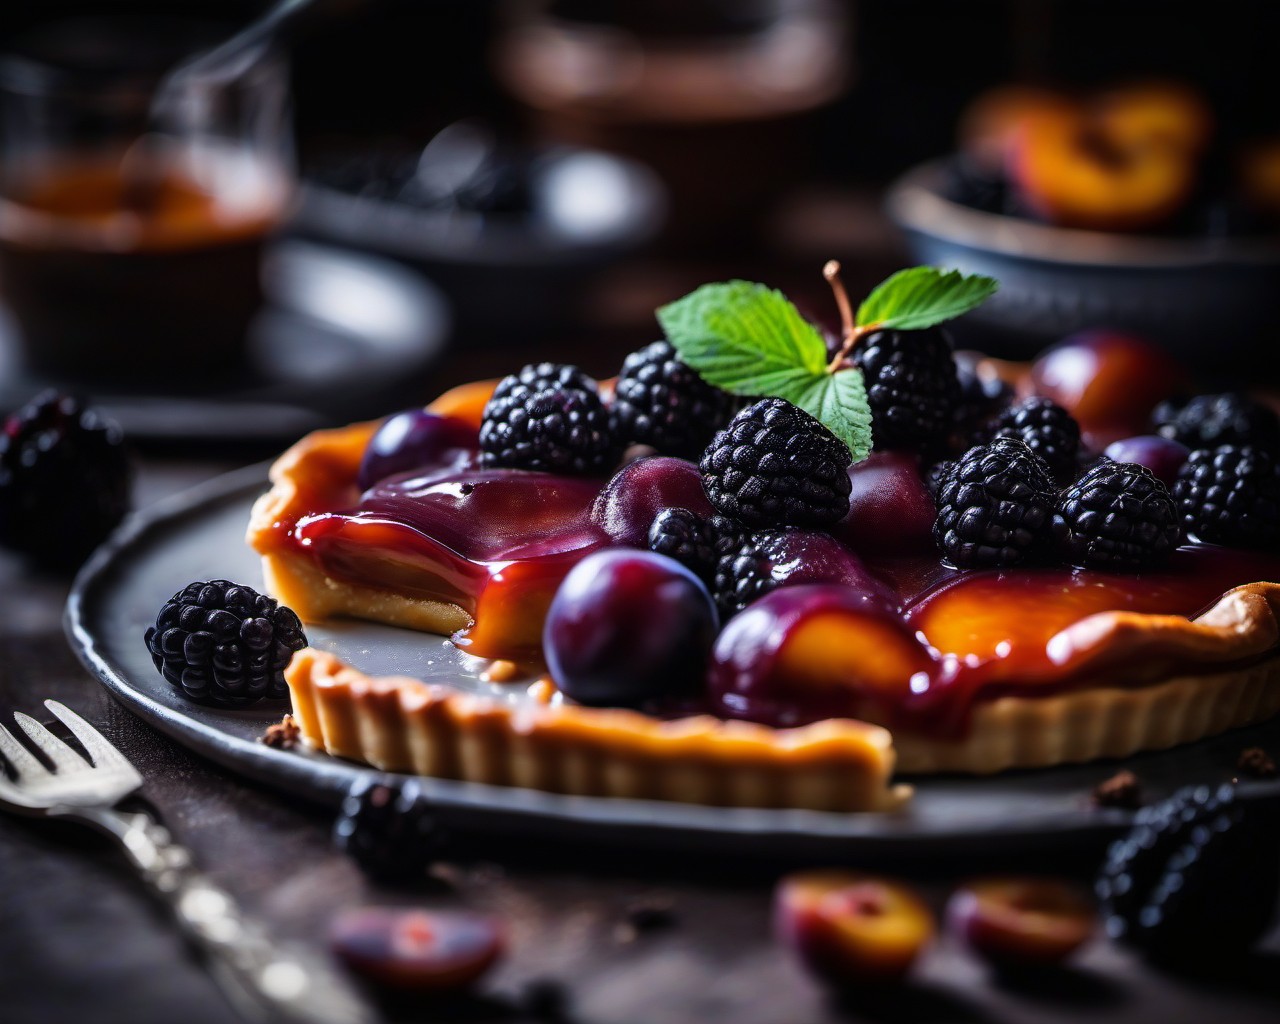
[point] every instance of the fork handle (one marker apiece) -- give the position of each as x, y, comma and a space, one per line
264, 980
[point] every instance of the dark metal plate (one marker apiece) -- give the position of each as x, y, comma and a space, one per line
200, 535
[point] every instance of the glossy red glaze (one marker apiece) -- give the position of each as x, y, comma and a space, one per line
892, 635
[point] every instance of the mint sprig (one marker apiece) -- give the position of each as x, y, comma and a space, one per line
750, 340
921, 297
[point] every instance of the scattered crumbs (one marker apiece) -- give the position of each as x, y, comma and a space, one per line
545, 999
501, 671
1256, 762
645, 914
543, 690
1121, 790
283, 735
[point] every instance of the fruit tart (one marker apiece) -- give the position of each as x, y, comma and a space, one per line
767, 566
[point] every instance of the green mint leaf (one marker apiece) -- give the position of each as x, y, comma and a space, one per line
839, 402
744, 338
750, 340
923, 296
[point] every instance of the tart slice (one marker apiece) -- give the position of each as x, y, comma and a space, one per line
1023, 604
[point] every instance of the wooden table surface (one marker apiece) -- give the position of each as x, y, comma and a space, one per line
81, 943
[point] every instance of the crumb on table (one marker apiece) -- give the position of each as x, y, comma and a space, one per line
1121, 790
1256, 762
283, 735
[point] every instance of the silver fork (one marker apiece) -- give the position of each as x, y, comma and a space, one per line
263, 980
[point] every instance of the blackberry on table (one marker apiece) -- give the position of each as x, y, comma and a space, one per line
911, 384
1197, 875
995, 507
775, 465
64, 480
1208, 421
387, 826
1048, 430
1230, 495
1118, 516
225, 644
548, 417
661, 402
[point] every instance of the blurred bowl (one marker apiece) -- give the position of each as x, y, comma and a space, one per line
506, 271
1204, 299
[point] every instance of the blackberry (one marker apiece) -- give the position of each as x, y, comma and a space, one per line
912, 386
775, 465
1048, 430
661, 402
980, 396
995, 507
388, 828
1230, 495
64, 480
1118, 516
1198, 874
935, 476
744, 570
686, 537
1207, 421
225, 644
548, 417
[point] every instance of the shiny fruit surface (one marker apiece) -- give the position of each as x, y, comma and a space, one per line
416, 950
1021, 921
851, 928
626, 508
1163, 456
629, 626
1109, 381
890, 509
415, 439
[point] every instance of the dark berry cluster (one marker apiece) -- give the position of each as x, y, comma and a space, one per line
695, 542
64, 480
744, 570
1209, 421
1231, 495
661, 402
1118, 516
982, 397
225, 644
1048, 430
388, 827
912, 387
775, 465
995, 505
1198, 875
548, 417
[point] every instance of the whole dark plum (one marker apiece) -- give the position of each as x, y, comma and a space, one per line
414, 439
628, 626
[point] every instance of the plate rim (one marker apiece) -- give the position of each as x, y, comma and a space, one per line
323, 779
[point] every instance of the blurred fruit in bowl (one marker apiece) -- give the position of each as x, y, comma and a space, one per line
1070, 170
482, 216
1104, 208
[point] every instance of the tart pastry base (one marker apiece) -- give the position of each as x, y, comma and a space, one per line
403, 724
1144, 682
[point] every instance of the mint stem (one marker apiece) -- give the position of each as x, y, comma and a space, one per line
850, 332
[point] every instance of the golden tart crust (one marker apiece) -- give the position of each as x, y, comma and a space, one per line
1227, 675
